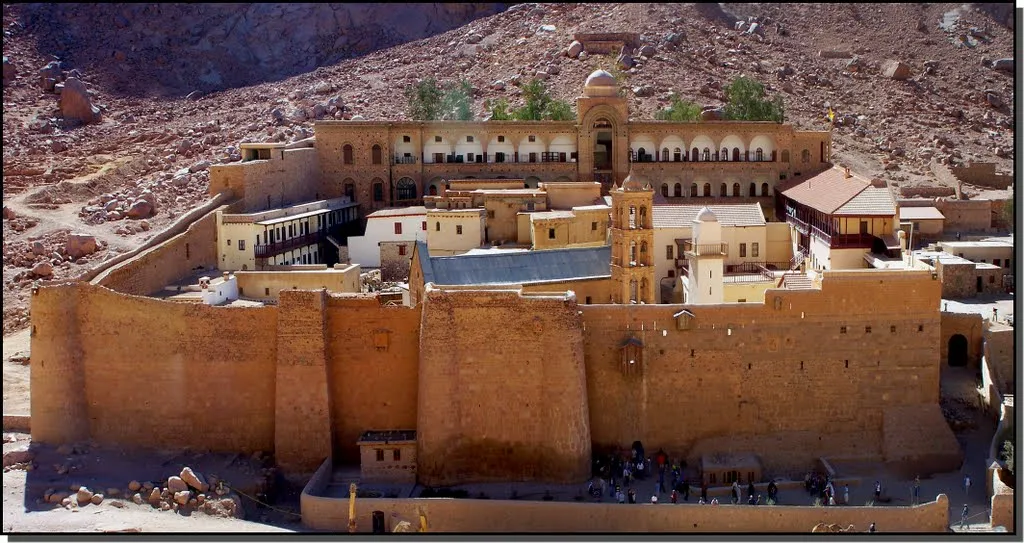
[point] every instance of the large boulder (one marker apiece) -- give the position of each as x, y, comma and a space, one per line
894, 69
176, 484
75, 103
43, 269
194, 479
712, 114
48, 75
573, 51
80, 245
140, 209
84, 495
1003, 64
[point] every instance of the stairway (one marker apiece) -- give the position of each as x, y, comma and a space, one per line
796, 281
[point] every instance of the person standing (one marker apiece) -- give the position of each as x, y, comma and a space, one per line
846, 494
750, 488
686, 490
917, 490
735, 492
619, 496
967, 485
773, 491
878, 490
631, 496
674, 497
871, 529
963, 516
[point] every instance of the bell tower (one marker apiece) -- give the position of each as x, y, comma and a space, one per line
633, 241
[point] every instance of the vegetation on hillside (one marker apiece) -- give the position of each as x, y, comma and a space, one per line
426, 101
680, 110
747, 102
538, 105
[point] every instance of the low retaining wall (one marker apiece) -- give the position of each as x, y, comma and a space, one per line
17, 423
517, 516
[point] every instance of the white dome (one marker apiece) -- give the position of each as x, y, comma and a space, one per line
600, 78
706, 215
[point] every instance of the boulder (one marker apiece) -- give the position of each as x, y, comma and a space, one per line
712, 114
199, 166
894, 69
648, 51
76, 104
137, 498
625, 61
498, 85
84, 495
38, 248
79, 245
9, 213
48, 75
176, 484
43, 269
96, 499
993, 100
140, 209
474, 38
182, 497
643, 90
1003, 64
18, 454
154, 496
553, 69
573, 51
194, 479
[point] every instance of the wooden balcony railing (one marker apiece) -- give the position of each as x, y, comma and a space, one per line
273, 249
404, 160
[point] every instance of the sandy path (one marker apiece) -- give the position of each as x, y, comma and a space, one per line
16, 375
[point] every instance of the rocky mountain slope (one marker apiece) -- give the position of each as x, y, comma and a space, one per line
172, 89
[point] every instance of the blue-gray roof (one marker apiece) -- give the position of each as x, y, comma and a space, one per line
515, 267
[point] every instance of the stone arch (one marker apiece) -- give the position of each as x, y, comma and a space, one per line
678, 192
469, 143
765, 143
537, 146
957, 354
732, 142
764, 189
643, 253
633, 294
703, 142
349, 186
376, 154
785, 155
694, 190
753, 190
664, 190
432, 190
723, 190
531, 182
378, 190
632, 253
736, 190
432, 147
405, 189
805, 156
707, 189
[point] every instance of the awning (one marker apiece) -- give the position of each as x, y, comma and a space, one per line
890, 241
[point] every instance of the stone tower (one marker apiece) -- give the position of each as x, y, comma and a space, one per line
705, 256
633, 241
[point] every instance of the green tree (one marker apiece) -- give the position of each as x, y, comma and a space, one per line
428, 102
499, 110
680, 110
540, 106
424, 100
457, 104
558, 110
747, 102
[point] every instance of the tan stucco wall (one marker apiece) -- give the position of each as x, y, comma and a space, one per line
264, 184
389, 470
748, 292
779, 242
447, 241
255, 284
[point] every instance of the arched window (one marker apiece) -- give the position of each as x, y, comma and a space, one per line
350, 189
679, 190
643, 252
735, 154
677, 155
694, 154
664, 189
378, 192
753, 190
805, 156
346, 154
785, 155
664, 155
723, 190
759, 155
764, 189
632, 253
437, 227
640, 154
376, 154
433, 190
693, 190
736, 189
707, 189
406, 189
706, 157
724, 155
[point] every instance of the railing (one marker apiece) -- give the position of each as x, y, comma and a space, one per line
273, 249
553, 157
840, 241
706, 249
800, 225
403, 160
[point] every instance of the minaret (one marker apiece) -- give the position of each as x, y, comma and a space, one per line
632, 241
705, 256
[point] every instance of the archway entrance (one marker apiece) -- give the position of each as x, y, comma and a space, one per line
603, 146
957, 355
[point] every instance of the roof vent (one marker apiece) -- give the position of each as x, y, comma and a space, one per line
847, 174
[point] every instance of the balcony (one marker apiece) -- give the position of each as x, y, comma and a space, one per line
800, 225
843, 241
273, 249
706, 249
403, 160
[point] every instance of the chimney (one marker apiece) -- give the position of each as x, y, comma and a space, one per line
847, 175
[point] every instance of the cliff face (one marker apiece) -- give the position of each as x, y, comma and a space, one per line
186, 47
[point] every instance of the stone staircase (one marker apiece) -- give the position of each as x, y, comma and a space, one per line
797, 281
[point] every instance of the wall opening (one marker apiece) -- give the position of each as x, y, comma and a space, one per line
957, 355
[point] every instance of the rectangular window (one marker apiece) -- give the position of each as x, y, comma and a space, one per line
530, 206
469, 157
995, 261
396, 455
743, 250
380, 455
469, 139
867, 329
499, 157
241, 245
533, 157
424, 226
266, 291
437, 139
588, 300
551, 233
892, 329
671, 273
668, 252
406, 139
593, 226
458, 229
401, 250
754, 249
438, 158
532, 139
842, 329
229, 243
398, 228
490, 213
920, 328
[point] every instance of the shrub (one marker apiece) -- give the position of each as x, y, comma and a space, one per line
747, 102
426, 101
680, 110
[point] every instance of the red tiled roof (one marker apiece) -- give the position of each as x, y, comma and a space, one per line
920, 213
828, 190
870, 201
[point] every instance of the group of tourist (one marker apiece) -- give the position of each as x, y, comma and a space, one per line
824, 489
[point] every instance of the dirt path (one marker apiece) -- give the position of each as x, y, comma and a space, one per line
16, 374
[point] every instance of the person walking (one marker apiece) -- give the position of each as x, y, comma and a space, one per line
963, 516
631, 496
917, 490
619, 496
773, 491
750, 488
967, 485
846, 494
878, 490
674, 497
735, 492
871, 529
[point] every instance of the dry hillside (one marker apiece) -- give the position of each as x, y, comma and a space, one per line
176, 88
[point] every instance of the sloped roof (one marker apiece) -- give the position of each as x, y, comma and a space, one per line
827, 191
682, 216
870, 201
398, 212
515, 267
920, 213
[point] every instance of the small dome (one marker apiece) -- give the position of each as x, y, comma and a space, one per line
600, 78
706, 215
633, 182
